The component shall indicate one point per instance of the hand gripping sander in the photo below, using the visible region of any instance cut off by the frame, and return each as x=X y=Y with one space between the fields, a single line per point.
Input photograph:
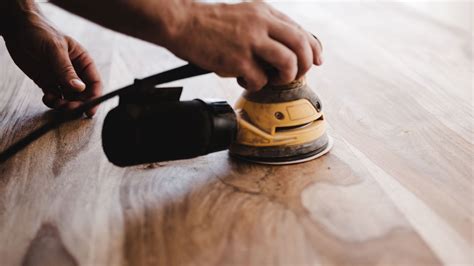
x=276 y=125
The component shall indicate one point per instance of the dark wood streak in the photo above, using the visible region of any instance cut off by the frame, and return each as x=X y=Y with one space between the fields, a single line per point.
x=28 y=124
x=194 y=225
x=72 y=138
x=47 y=249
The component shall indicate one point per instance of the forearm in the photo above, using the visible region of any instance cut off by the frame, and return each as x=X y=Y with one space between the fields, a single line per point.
x=14 y=13
x=155 y=21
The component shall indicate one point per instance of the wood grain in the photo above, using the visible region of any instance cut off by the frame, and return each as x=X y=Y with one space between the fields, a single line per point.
x=397 y=189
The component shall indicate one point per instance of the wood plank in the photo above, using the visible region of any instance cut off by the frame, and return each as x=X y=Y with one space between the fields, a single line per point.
x=396 y=189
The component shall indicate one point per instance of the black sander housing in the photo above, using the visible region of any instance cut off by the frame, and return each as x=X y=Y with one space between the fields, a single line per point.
x=154 y=125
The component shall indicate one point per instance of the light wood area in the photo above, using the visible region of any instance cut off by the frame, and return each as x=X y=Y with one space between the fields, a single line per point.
x=397 y=188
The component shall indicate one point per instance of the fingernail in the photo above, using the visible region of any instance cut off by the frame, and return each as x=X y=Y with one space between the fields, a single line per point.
x=78 y=84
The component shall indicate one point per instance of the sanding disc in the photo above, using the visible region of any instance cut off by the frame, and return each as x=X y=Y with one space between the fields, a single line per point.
x=293 y=159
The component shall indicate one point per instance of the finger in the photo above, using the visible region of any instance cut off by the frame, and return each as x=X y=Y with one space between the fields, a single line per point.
x=320 y=44
x=54 y=102
x=241 y=82
x=70 y=105
x=86 y=69
x=49 y=87
x=297 y=41
x=254 y=78
x=64 y=70
x=315 y=43
x=94 y=90
x=91 y=112
x=49 y=100
x=317 y=48
x=279 y=57
x=88 y=72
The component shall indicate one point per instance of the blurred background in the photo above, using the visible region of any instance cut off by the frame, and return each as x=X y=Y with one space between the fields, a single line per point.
x=457 y=13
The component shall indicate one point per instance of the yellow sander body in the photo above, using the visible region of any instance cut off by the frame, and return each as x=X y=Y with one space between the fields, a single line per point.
x=280 y=125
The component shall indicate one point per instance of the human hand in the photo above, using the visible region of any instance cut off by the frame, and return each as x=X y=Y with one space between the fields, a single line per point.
x=58 y=64
x=251 y=41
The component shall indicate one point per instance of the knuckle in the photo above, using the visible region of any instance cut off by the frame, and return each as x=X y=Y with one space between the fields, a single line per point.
x=300 y=42
x=258 y=11
x=250 y=77
x=58 y=44
x=297 y=26
x=84 y=57
x=288 y=61
x=254 y=38
x=287 y=76
x=250 y=84
x=67 y=70
x=68 y=38
x=258 y=6
x=288 y=73
x=243 y=66
x=256 y=81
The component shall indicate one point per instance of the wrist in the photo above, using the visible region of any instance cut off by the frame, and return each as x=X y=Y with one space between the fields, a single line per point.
x=17 y=15
x=178 y=34
x=170 y=21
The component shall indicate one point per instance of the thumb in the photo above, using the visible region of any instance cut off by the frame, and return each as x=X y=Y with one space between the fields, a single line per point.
x=64 y=71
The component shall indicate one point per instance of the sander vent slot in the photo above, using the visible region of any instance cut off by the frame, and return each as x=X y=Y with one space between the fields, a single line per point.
x=290 y=128
x=285 y=129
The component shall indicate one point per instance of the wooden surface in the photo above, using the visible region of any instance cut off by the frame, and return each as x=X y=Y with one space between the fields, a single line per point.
x=397 y=188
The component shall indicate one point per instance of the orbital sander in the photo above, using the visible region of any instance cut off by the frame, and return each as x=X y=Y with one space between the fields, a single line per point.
x=276 y=125
x=280 y=125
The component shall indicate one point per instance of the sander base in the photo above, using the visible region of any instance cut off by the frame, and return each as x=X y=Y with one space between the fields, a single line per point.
x=295 y=159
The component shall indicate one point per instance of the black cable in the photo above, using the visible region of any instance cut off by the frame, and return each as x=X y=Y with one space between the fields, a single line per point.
x=178 y=73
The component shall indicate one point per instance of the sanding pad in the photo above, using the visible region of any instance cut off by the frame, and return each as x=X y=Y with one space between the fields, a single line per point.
x=291 y=159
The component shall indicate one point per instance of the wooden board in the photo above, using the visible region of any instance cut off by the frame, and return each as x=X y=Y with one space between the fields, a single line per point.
x=396 y=189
